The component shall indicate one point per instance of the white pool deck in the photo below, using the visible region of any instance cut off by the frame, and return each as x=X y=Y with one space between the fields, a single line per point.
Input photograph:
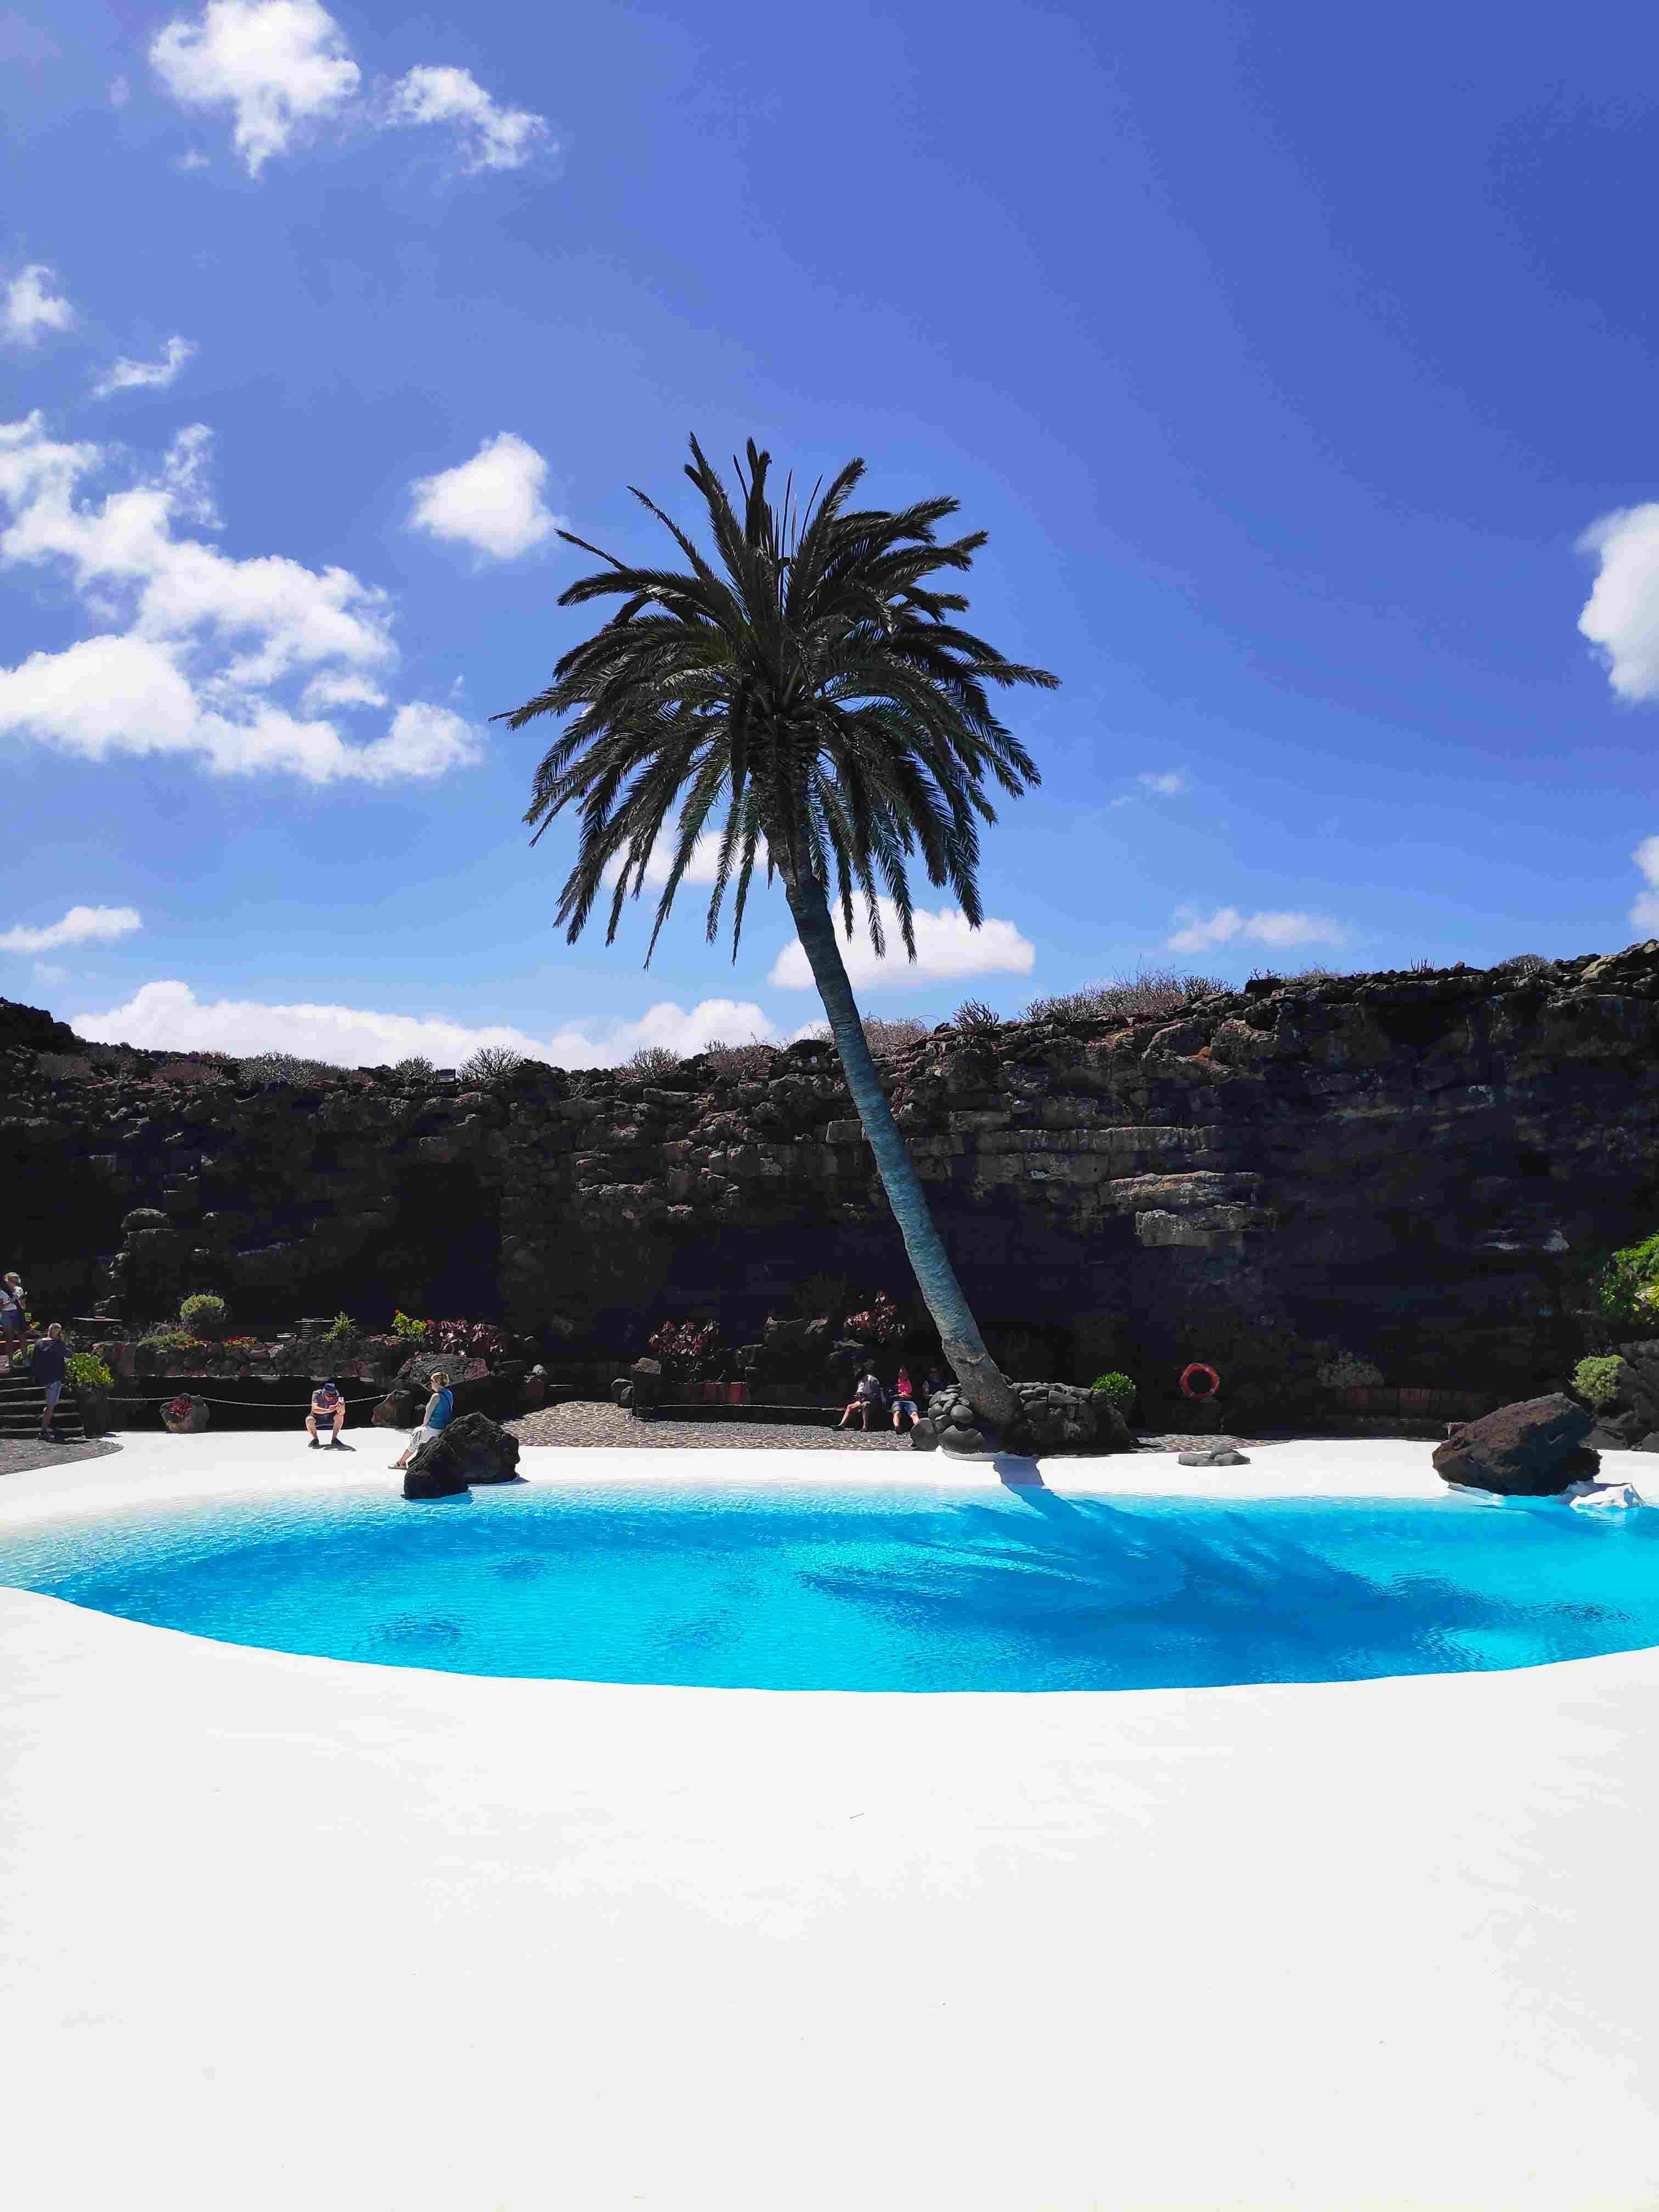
x=285 y=1932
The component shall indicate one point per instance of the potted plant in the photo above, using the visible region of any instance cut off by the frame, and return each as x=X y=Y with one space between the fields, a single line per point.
x=185 y=1416
x=92 y=1382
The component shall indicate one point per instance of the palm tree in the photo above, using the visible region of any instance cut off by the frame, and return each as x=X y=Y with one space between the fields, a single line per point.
x=809 y=693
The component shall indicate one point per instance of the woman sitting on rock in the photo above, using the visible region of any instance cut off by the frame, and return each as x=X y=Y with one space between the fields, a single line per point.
x=905 y=1415
x=439 y=1412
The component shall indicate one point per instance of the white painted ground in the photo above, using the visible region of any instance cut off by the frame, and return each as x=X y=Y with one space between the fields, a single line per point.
x=283 y=1932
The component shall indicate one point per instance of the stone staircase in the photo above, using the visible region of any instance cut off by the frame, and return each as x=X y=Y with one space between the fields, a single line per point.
x=22 y=1402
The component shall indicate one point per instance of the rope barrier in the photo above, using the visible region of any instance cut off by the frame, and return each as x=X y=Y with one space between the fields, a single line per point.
x=263 y=1405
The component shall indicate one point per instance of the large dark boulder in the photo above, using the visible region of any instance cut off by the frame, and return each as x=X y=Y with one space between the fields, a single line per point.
x=473 y=1448
x=1532 y=1449
x=439 y=1479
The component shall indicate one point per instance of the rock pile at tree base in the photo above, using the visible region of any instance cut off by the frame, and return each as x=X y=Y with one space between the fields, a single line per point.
x=1054 y=1418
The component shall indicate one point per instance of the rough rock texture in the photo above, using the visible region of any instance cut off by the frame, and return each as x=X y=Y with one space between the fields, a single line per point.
x=440 y=1479
x=473 y=1448
x=1536 y=1449
x=1054 y=1417
x=1631 y=1422
x=1418 y=1168
x=1221 y=1456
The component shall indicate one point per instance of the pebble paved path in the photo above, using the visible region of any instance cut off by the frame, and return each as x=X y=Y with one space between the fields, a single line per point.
x=18 y=1455
x=612 y=1427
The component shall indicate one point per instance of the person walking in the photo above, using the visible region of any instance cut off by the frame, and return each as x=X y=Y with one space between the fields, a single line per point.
x=905 y=1415
x=13 y=1317
x=49 y=1368
x=327 y=1411
x=440 y=1413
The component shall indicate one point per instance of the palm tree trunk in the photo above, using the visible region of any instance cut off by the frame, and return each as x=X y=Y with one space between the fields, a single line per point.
x=981 y=1380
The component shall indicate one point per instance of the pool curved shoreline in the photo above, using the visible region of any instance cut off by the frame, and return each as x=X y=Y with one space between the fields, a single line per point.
x=461 y=1931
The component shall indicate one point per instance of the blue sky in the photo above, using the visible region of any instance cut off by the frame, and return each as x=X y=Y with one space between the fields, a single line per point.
x=1299 y=364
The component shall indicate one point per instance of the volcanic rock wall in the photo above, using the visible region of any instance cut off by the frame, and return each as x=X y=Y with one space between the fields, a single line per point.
x=1421 y=1169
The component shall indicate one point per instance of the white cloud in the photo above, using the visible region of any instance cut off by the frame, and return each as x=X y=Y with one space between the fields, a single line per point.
x=1621 y=616
x=128 y=375
x=1194 y=933
x=194 y=649
x=492 y=503
x=168 y=1015
x=81 y=925
x=1166 y=783
x=285 y=68
x=32 y=305
x=1644 y=914
x=491 y=138
x=280 y=64
x=191 y=161
x=947 y=948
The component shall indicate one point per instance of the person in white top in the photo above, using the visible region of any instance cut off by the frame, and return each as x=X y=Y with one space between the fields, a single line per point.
x=12 y=1316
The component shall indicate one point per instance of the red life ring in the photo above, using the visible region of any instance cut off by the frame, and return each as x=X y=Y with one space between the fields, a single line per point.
x=1199 y=1367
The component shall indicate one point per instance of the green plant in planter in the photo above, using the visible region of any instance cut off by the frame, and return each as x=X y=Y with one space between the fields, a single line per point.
x=168 y=1339
x=88 y=1372
x=404 y=1324
x=1597 y=1380
x=204 y=1311
x=1119 y=1390
x=340 y=1330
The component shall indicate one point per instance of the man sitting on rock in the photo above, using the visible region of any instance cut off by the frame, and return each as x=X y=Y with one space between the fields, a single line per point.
x=327 y=1411
x=439 y=1412
x=868 y=1399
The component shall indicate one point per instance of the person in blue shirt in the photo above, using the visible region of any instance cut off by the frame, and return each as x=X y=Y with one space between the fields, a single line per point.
x=49 y=1367
x=439 y=1412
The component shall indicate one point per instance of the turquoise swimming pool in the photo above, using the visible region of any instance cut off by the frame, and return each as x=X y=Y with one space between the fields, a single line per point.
x=904 y=1588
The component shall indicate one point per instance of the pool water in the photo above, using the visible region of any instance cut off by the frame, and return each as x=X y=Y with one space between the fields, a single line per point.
x=911 y=1589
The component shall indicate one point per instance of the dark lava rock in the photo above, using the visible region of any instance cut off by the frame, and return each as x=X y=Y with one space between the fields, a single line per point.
x=441 y=1480
x=473 y=1448
x=1532 y=1449
x=1054 y=1417
x=398 y=1409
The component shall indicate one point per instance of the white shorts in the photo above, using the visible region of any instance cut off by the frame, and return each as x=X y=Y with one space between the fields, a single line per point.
x=423 y=1436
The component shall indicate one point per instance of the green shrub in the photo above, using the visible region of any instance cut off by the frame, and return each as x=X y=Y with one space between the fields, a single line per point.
x=1597 y=1380
x=1625 y=1288
x=1348 y=1371
x=1118 y=1388
x=168 y=1339
x=204 y=1310
x=88 y=1372
x=340 y=1330
x=404 y=1324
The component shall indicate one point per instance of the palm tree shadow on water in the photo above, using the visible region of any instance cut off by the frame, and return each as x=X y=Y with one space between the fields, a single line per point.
x=1092 y=1593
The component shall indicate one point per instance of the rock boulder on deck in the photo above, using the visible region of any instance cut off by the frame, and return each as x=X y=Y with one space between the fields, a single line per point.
x=1532 y=1449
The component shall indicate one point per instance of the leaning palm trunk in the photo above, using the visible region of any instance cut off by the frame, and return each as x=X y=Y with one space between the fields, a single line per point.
x=813 y=686
x=982 y=1382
